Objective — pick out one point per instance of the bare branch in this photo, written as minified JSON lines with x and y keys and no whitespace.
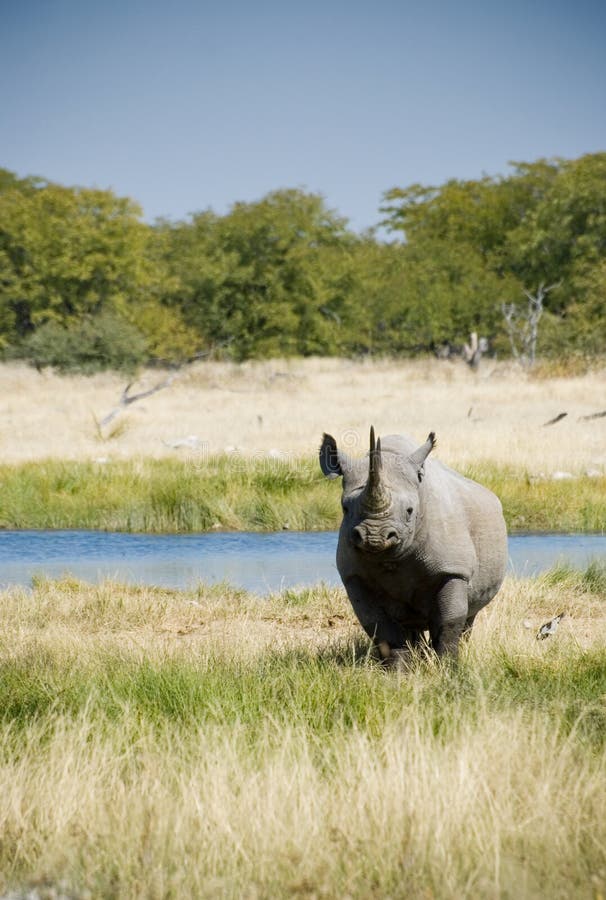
{"x":510,"y":312}
{"x":176,"y":370}
{"x":557,"y":418}
{"x":523,"y":327}
{"x":126,"y":399}
{"x":473,"y":351}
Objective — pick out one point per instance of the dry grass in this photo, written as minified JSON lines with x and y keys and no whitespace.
{"x":284,"y":406}
{"x":237,"y":624}
{"x":163,"y":744}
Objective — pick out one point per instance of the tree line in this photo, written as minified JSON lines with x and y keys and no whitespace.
{"x":86,"y":283}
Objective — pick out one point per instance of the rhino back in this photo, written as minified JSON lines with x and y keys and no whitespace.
{"x":462,"y":532}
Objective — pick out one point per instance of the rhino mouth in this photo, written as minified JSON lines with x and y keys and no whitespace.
{"x":375,"y":543}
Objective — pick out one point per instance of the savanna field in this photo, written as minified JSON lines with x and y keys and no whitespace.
{"x":207,"y":743}
{"x":229,"y":446}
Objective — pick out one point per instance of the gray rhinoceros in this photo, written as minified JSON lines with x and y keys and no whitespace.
{"x":421,"y":548}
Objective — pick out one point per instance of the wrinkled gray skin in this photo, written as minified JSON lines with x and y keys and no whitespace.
{"x":421,"y":548}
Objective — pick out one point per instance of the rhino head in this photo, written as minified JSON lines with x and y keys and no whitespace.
{"x":381,"y":494}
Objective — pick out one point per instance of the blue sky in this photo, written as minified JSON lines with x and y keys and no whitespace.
{"x":188,"y":105}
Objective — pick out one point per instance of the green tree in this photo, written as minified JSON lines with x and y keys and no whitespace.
{"x":498,"y":237}
{"x":83,"y":260}
{"x":284,"y":275}
{"x":428,"y":295}
{"x":66,"y":253}
{"x":562,"y":236}
{"x":267,"y":279}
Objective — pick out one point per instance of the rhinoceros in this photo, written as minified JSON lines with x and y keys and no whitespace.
{"x":421,"y":548}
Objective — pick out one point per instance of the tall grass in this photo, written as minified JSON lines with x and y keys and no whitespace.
{"x":167,"y":744}
{"x":542,"y":504}
{"x":166,"y":496}
{"x":256,"y":495}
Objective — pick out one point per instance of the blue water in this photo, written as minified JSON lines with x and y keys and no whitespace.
{"x":257,"y":562}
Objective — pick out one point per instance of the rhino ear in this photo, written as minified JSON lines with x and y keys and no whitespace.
{"x":417,"y":459}
{"x":330,"y":458}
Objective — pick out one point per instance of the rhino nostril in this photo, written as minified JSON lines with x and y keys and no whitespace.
{"x":357,"y":536}
{"x":392,"y":536}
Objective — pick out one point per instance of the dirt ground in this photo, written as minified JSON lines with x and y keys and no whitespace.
{"x":280,"y":408}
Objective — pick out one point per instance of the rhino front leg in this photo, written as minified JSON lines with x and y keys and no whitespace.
{"x":380,"y":628}
{"x":450,"y":616}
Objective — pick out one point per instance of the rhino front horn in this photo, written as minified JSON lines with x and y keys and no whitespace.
{"x":374,"y":457}
{"x":376,"y":495}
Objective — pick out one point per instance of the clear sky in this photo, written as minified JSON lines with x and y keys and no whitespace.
{"x":185,"y":105}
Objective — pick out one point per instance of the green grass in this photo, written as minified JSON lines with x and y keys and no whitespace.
{"x":256,"y":495}
{"x":531,"y":504}
{"x":263,"y":697}
{"x":169,"y":744}
{"x":593,"y":578}
{"x":166,"y":496}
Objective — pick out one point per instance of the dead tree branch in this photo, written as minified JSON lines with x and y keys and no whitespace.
{"x":127,"y":398}
{"x":177,"y":369}
{"x":522,"y":326}
{"x":474,"y":350}
{"x":556,"y":419}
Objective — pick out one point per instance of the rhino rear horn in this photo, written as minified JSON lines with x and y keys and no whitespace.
{"x":417,"y":459}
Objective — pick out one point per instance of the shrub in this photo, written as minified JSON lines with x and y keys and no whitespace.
{"x":104,"y":341}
